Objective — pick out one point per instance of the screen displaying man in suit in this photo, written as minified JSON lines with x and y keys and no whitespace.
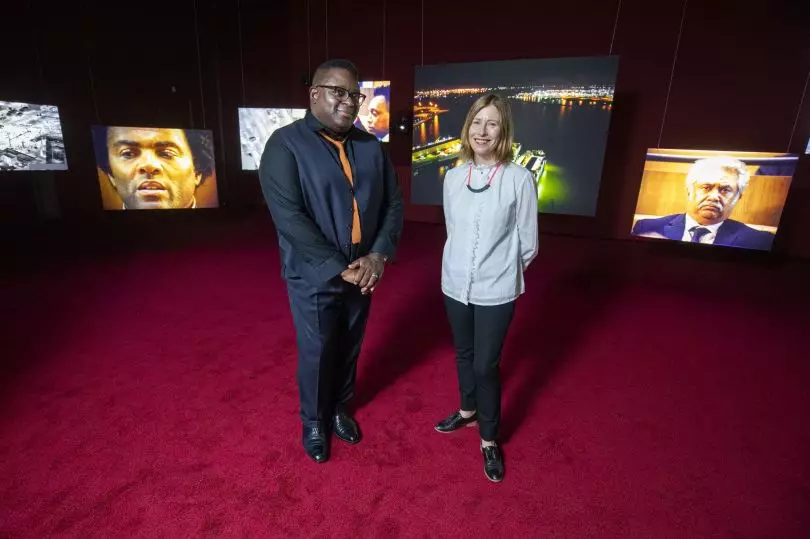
{"x":714,"y":186}
{"x":374,"y":116}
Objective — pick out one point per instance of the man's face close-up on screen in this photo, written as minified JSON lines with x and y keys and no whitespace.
{"x":152,"y":168}
{"x":378,"y":118}
{"x":713,"y":196}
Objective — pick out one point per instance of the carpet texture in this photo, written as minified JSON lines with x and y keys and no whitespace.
{"x":151,"y":392}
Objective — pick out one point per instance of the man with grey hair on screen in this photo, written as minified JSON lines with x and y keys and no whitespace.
{"x":713,"y":187}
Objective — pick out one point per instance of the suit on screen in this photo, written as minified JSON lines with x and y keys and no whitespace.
{"x":731,"y":233}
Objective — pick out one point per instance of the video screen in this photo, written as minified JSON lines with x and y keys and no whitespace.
{"x":727,"y":198}
{"x":154,"y":168}
{"x":561,"y":111}
{"x":31,"y":137}
{"x":374,"y":116}
{"x":807,"y":150}
{"x":256,"y":126}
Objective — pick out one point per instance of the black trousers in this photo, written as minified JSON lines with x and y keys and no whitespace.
{"x":478,"y":335}
{"x":330,"y":322}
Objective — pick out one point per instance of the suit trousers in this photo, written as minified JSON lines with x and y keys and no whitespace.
{"x":478,"y":336}
{"x":330,"y":322}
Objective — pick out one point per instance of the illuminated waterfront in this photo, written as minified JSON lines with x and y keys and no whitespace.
{"x":554,"y":126}
{"x":561,"y":109}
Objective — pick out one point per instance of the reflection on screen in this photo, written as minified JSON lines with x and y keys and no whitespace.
{"x":31,"y":137}
{"x":256,"y":126}
{"x":374,"y":116}
{"x":150,"y":168}
{"x":726,"y":198}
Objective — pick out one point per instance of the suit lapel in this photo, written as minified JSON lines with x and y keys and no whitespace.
{"x":674,"y":229}
{"x":726,"y":234}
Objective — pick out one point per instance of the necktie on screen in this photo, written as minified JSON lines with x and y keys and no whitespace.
{"x":698,"y":232}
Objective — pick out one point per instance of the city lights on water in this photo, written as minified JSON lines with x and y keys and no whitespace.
{"x":525,"y":93}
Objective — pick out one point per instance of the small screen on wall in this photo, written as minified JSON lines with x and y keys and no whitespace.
{"x":155,"y":168}
{"x":31,"y":137}
{"x":374,"y":114}
{"x":256,"y":126}
{"x":727,"y":198}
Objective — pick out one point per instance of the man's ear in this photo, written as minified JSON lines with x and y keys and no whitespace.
{"x":111,"y":179}
{"x":313,"y":94}
{"x":199,"y":179}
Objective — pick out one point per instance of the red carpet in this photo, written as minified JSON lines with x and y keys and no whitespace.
{"x":647,"y":393}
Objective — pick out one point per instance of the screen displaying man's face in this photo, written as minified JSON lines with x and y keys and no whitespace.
{"x":378,"y":118}
{"x":374,"y":116}
{"x":152,"y":168}
{"x":712,"y":197}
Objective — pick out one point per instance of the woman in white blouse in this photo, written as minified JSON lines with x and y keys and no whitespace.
{"x":490,"y":209}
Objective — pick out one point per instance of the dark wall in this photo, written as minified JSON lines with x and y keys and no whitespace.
{"x":738,"y":81}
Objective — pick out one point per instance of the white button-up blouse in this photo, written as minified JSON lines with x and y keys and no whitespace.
{"x":491,"y":235}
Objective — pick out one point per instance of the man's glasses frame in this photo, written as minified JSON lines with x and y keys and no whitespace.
{"x":341,"y":93}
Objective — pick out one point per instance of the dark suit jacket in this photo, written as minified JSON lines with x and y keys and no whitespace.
{"x":311,"y":201}
{"x":731,"y":233}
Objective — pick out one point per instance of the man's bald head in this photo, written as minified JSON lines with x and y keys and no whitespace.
{"x":322,"y":71}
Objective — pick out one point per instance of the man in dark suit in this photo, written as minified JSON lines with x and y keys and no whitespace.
{"x":713,"y":187}
{"x":332,"y":192}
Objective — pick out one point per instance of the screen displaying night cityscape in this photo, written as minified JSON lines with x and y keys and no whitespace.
{"x":561,"y":109}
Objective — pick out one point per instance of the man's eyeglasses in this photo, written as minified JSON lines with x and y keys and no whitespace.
{"x":341,"y":93}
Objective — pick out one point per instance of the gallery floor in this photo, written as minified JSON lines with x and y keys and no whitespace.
{"x":149,"y":390}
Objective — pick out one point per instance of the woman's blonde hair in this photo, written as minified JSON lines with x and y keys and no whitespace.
{"x":503,"y":150}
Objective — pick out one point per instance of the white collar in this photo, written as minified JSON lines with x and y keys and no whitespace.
{"x":691,"y":223}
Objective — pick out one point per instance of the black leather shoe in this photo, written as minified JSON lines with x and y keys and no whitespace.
{"x":345,"y":427}
{"x":493,"y":463}
{"x":316,"y":443}
{"x":455,"y":422}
